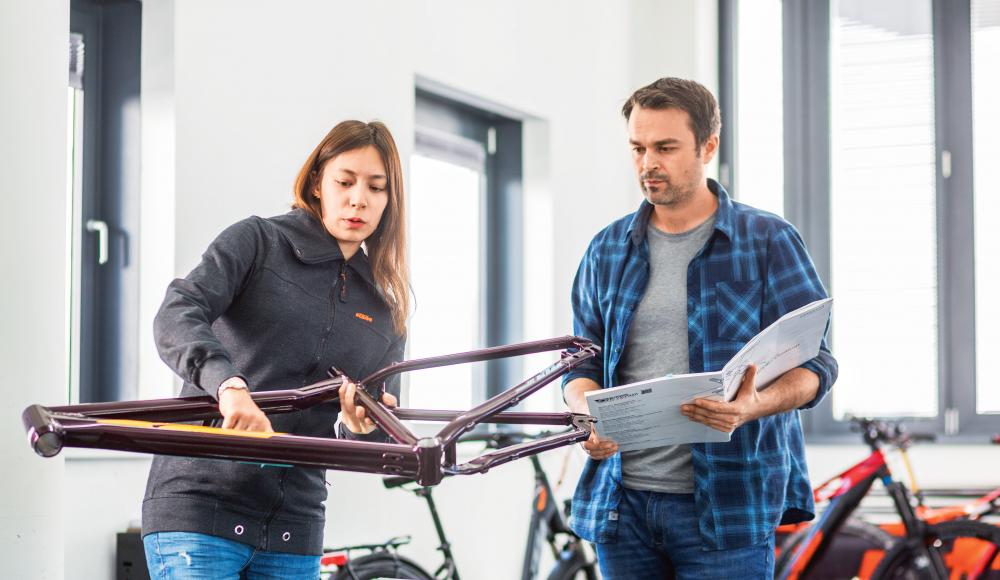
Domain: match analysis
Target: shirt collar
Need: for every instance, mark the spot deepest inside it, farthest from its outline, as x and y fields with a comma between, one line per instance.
x=723, y=216
x=312, y=244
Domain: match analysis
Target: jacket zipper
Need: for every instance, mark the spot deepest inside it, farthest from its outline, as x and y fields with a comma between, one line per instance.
x=343, y=281
x=322, y=347
x=329, y=327
x=265, y=540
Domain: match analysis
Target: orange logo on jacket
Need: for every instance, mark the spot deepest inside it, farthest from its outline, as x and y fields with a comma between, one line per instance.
x=364, y=317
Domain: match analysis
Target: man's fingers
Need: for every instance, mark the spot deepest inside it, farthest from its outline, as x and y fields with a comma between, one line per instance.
x=389, y=399
x=707, y=410
x=704, y=416
x=722, y=423
x=709, y=405
x=749, y=380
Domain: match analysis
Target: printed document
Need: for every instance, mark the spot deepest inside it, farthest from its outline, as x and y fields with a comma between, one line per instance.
x=647, y=413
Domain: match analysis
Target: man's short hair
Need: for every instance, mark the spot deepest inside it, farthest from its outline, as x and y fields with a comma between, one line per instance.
x=688, y=96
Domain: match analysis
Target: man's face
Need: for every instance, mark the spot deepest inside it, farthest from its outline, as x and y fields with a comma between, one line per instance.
x=666, y=156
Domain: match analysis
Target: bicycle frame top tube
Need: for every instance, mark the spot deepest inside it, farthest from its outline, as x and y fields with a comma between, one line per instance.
x=851, y=477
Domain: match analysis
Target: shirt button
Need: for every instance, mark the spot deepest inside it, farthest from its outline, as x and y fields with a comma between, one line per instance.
x=238, y=530
x=286, y=536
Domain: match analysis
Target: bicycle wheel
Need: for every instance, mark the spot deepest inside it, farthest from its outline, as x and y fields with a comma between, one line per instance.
x=853, y=552
x=382, y=565
x=574, y=567
x=956, y=550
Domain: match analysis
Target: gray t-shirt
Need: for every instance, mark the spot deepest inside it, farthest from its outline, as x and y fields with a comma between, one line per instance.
x=657, y=345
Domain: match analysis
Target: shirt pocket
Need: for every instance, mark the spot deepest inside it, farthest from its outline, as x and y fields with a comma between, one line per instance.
x=737, y=309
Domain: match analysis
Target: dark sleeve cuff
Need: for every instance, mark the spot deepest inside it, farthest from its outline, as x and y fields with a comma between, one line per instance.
x=825, y=367
x=376, y=436
x=579, y=373
x=213, y=372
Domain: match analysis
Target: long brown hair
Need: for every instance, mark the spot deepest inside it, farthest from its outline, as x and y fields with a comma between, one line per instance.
x=386, y=247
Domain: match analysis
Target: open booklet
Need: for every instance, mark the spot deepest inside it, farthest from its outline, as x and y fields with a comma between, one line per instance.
x=647, y=414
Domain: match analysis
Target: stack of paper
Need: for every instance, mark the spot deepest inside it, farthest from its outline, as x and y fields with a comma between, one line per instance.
x=647, y=414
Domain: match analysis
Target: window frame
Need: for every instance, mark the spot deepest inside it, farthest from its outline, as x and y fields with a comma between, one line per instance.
x=808, y=174
x=441, y=111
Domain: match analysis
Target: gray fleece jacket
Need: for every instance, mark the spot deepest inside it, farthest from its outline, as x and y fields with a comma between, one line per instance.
x=272, y=301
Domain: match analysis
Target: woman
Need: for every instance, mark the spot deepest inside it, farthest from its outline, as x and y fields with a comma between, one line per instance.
x=273, y=304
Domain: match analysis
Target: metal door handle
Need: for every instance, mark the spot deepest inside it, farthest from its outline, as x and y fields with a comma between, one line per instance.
x=102, y=239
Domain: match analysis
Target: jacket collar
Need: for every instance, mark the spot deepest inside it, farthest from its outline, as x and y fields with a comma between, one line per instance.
x=723, y=216
x=312, y=244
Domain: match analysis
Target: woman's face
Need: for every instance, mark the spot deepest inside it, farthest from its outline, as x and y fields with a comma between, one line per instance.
x=353, y=196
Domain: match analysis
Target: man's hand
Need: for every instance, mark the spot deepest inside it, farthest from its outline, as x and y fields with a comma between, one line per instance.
x=241, y=413
x=726, y=417
x=353, y=416
x=597, y=448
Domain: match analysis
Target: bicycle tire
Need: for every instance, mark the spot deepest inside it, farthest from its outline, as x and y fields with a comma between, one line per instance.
x=855, y=538
x=943, y=540
x=576, y=567
x=382, y=565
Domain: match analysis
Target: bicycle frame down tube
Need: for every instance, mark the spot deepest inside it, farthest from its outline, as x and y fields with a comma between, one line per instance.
x=453, y=430
x=844, y=493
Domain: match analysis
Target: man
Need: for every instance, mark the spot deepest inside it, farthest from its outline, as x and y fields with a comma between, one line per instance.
x=680, y=286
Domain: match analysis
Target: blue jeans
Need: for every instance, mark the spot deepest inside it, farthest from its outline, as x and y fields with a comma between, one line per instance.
x=658, y=538
x=191, y=556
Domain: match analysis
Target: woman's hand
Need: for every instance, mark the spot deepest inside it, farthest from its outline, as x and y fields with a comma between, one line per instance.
x=353, y=416
x=240, y=412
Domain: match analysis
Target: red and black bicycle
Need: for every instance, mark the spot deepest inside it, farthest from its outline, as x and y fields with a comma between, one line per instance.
x=943, y=543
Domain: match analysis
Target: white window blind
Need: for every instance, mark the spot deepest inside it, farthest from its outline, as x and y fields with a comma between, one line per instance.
x=883, y=212
x=986, y=178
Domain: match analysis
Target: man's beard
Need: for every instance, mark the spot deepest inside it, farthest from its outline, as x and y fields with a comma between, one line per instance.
x=669, y=193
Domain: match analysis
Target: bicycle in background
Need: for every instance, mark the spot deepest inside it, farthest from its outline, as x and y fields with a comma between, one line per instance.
x=574, y=560
x=929, y=543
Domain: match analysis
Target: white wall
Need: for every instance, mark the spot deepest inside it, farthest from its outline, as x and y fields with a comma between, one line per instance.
x=34, y=56
x=236, y=94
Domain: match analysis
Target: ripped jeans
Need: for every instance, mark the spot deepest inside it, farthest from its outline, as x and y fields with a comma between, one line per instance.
x=191, y=556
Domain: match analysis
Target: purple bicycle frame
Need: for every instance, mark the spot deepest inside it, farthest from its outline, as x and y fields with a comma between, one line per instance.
x=149, y=426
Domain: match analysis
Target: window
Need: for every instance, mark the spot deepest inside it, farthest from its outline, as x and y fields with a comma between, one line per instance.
x=888, y=115
x=986, y=150
x=759, y=167
x=448, y=176
x=105, y=53
x=883, y=212
x=465, y=248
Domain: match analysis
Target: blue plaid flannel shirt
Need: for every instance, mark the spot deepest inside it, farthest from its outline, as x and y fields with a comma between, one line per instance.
x=753, y=269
